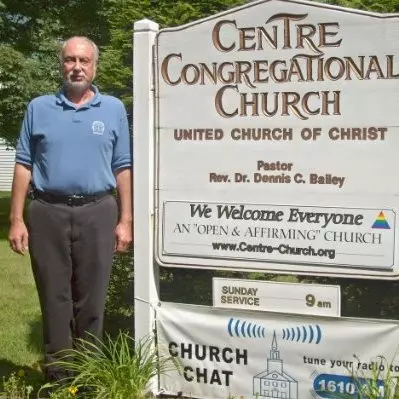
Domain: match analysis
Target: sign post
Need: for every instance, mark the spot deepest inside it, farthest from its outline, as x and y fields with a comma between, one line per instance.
x=146, y=270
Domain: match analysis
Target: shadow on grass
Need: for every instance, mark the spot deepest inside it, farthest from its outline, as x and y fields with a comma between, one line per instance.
x=32, y=375
x=35, y=338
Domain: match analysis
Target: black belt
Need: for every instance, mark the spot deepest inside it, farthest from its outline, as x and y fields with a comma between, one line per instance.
x=71, y=200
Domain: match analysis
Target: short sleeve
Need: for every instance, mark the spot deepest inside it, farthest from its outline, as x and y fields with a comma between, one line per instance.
x=25, y=147
x=122, y=155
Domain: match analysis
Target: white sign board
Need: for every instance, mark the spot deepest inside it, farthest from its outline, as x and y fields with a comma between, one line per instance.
x=277, y=134
x=272, y=296
x=262, y=355
x=310, y=235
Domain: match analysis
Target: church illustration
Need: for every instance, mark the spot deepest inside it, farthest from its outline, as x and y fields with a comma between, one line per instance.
x=274, y=382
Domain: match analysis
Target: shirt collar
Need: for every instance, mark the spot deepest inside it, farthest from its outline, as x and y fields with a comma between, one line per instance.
x=95, y=100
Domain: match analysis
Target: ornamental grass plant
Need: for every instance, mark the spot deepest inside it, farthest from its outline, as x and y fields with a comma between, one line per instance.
x=378, y=382
x=381, y=384
x=117, y=368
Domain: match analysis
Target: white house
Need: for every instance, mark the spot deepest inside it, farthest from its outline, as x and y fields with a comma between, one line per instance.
x=7, y=158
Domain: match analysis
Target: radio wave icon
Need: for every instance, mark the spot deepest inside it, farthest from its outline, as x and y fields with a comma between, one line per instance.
x=245, y=329
x=309, y=334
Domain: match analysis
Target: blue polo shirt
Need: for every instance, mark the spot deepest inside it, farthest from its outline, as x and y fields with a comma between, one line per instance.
x=74, y=150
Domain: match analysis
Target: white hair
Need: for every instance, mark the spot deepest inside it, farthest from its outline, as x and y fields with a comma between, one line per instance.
x=96, y=52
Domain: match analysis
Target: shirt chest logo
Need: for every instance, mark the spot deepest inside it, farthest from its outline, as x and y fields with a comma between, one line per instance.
x=98, y=127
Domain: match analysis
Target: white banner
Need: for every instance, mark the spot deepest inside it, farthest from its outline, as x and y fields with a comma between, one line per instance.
x=263, y=355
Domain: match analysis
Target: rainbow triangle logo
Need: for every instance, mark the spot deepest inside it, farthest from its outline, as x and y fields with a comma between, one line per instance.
x=380, y=222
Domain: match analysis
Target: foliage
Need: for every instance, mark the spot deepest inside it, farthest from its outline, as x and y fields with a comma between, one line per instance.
x=30, y=34
x=114, y=369
x=21, y=79
x=384, y=6
x=378, y=384
x=364, y=298
x=380, y=381
x=14, y=387
x=115, y=71
x=29, y=26
x=68, y=392
x=120, y=297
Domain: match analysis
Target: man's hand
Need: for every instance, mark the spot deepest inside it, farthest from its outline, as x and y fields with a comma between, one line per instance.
x=18, y=237
x=124, y=236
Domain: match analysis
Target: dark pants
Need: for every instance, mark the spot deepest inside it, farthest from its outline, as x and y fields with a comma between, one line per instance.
x=71, y=249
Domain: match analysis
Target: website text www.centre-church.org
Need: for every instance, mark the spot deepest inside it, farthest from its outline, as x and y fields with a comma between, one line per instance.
x=283, y=249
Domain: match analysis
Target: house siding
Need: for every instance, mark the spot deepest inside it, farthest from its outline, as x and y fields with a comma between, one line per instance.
x=7, y=158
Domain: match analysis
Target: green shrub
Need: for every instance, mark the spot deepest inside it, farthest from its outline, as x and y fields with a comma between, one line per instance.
x=112, y=369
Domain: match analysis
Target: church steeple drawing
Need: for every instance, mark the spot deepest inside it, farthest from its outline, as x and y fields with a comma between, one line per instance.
x=274, y=382
x=274, y=363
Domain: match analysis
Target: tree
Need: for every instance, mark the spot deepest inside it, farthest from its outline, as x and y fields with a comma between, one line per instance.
x=21, y=78
x=383, y=6
x=30, y=37
x=115, y=72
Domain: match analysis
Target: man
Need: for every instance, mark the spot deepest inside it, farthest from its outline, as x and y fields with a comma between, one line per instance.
x=74, y=149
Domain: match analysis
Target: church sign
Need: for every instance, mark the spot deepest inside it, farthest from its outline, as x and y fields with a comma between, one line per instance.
x=277, y=134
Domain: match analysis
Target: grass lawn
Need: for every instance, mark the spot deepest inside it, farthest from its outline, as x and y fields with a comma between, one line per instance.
x=20, y=331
